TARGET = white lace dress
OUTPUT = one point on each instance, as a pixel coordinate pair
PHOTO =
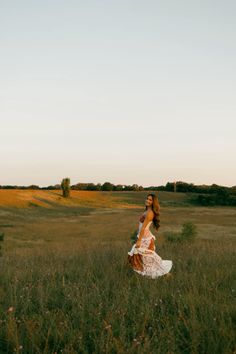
(144, 260)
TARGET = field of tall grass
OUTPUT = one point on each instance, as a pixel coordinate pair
(66, 286)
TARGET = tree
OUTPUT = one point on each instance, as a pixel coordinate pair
(107, 186)
(91, 187)
(118, 187)
(65, 185)
(80, 186)
(32, 186)
(169, 187)
(175, 185)
(135, 187)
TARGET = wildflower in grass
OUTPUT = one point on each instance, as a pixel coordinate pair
(136, 342)
(18, 348)
(108, 326)
(11, 309)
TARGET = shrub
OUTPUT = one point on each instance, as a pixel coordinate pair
(172, 236)
(188, 233)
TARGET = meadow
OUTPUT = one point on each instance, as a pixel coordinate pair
(66, 286)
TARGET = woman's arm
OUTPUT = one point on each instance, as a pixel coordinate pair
(148, 218)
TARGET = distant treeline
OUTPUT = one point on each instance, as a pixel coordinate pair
(107, 186)
(207, 195)
(192, 188)
(178, 186)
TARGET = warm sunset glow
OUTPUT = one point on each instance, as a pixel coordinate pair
(119, 91)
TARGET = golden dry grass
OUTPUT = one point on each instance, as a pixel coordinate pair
(20, 198)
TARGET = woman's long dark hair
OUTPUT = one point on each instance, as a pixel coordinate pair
(156, 210)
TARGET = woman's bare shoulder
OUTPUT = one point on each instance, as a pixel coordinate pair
(150, 214)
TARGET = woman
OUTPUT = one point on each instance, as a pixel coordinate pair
(142, 257)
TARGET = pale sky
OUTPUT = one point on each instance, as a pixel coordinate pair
(121, 91)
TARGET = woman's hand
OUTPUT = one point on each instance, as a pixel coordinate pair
(138, 244)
